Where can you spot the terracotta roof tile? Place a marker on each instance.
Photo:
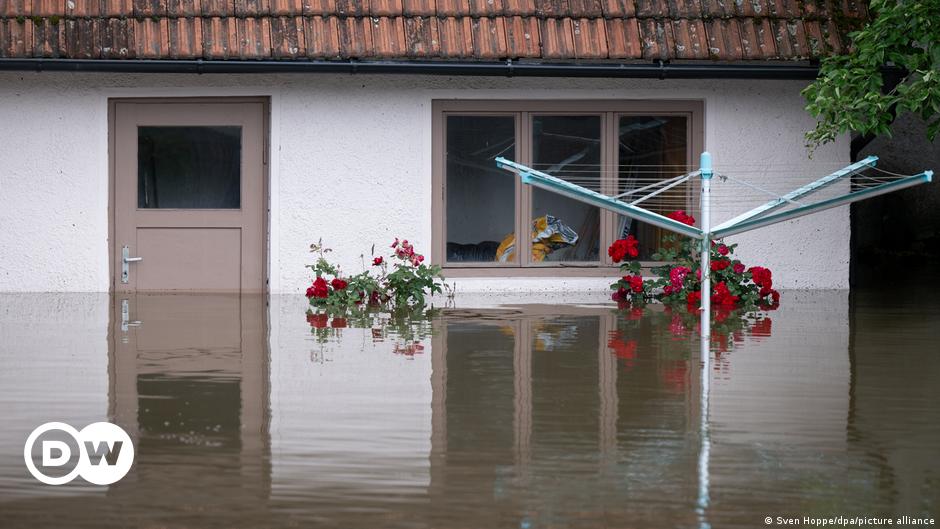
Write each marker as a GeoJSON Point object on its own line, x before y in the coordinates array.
{"type": "Point", "coordinates": [430, 29]}
{"type": "Point", "coordinates": [757, 39]}
{"type": "Point", "coordinates": [149, 8]}
{"type": "Point", "coordinates": [487, 8]}
{"type": "Point", "coordinates": [522, 37]}
{"type": "Point", "coordinates": [287, 7]}
{"type": "Point", "coordinates": [321, 36]}
{"type": "Point", "coordinates": [618, 8]}
{"type": "Point", "coordinates": [551, 8]}
{"type": "Point", "coordinates": [116, 38]}
{"type": "Point", "coordinates": [519, 7]}
{"type": "Point", "coordinates": [76, 9]}
{"type": "Point", "coordinates": [386, 8]}
{"type": "Point", "coordinates": [182, 8]}
{"type": "Point", "coordinates": [150, 38]}
{"type": "Point", "coordinates": [684, 8]}
{"type": "Point", "coordinates": [651, 8]}
{"type": "Point", "coordinates": [13, 8]}
{"type": "Point", "coordinates": [453, 8]}
{"type": "Point", "coordinates": [657, 39]}
{"type": "Point", "coordinates": [456, 37]}
{"type": "Point", "coordinates": [117, 8]}
{"type": "Point", "coordinates": [80, 41]}
{"type": "Point", "coordinates": [252, 8]}
{"type": "Point", "coordinates": [623, 39]}
{"type": "Point", "coordinates": [185, 38]}
{"type": "Point", "coordinates": [419, 8]}
{"type": "Point", "coordinates": [557, 37]}
{"type": "Point", "coordinates": [16, 38]}
{"type": "Point", "coordinates": [355, 38]}
{"type": "Point", "coordinates": [691, 40]}
{"type": "Point", "coordinates": [790, 36]}
{"type": "Point", "coordinates": [585, 8]}
{"type": "Point", "coordinates": [287, 38]}
{"type": "Point", "coordinates": [489, 38]}
{"type": "Point", "coordinates": [421, 37]}
{"type": "Point", "coordinates": [721, 8]}
{"type": "Point", "coordinates": [219, 38]}
{"type": "Point", "coordinates": [724, 39]}
{"type": "Point", "coordinates": [388, 36]}
{"type": "Point", "coordinates": [217, 8]}
{"type": "Point", "coordinates": [46, 8]}
{"type": "Point", "coordinates": [48, 39]}
{"type": "Point", "coordinates": [590, 38]}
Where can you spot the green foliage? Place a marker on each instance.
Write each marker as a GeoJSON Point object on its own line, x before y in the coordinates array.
{"type": "Point", "coordinates": [848, 94]}
{"type": "Point", "coordinates": [401, 281]}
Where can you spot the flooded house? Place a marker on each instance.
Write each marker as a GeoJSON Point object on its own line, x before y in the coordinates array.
{"type": "Point", "coordinates": [215, 141]}
{"type": "Point", "coordinates": [165, 166]}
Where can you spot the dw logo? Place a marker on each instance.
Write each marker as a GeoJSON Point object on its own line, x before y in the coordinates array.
{"type": "Point", "coordinates": [104, 453]}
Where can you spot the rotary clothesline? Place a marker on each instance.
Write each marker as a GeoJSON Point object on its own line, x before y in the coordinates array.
{"type": "Point", "coordinates": [848, 184]}
{"type": "Point", "coordinates": [843, 186]}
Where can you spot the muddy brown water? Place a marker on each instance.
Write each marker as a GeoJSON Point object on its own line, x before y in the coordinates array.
{"type": "Point", "coordinates": [245, 412]}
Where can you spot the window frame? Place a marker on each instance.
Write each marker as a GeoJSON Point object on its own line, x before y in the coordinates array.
{"type": "Point", "coordinates": [523, 111]}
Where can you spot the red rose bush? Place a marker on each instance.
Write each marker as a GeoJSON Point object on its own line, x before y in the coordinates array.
{"type": "Point", "coordinates": [733, 284]}
{"type": "Point", "coordinates": [400, 281]}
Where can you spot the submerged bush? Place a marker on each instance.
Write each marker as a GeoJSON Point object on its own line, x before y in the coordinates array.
{"type": "Point", "coordinates": [734, 286]}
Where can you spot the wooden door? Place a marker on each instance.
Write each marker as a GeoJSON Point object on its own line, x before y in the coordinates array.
{"type": "Point", "coordinates": [189, 196]}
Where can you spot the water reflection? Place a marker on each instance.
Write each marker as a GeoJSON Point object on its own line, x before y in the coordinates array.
{"type": "Point", "coordinates": [246, 412]}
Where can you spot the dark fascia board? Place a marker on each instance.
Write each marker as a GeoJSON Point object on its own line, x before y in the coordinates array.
{"type": "Point", "coordinates": [654, 70]}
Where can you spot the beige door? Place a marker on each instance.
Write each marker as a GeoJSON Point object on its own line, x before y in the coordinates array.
{"type": "Point", "coordinates": [188, 195]}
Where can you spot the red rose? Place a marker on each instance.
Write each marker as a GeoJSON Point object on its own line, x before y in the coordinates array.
{"type": "Point", "coordinates": [722, 249]}
{"type": "Point", "coordinates": [722, 296]}
{"type": "Point", "coordinates": [738, 268]}
{"type": "Point", "coordinates": [680, 216]}
{"type": "Point", "coordinates": [720, 264]}
{"type": "Point", "coordinates": [635, 282]}
{"type": "Point", "coordinates": [619, 295]}
{"type": "Point", "coordinates": [693, 299]}
{"type": "Point", "coordinates": [338, 284]}
{"type": "Point", "coordinates": [622, 248]}
{"type": "Point", "coordinates": [338, 323]}
{"type": "Point", "coordinates": [318, 289]}
{"type": "Point", "coordinates": [377, 261]}
{"type": "Point", "coordinates": [761, 276]}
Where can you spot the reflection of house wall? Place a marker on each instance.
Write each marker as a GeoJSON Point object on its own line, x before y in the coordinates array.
{"type": "Point", "coordinates": [534, 424]}
{"type": "Point", "coordinates": [351, 420]}
{"type": "Point", "coordinates": [792, 386]}
{"type": "Point", "coordinates": [40, 334]}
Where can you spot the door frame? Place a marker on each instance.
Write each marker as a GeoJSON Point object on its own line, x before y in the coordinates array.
{"type": "Point", "coordinates": [265, 173]}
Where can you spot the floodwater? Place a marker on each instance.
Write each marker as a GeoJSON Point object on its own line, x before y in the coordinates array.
{"type": "Point", "coordinates": [247, 412]}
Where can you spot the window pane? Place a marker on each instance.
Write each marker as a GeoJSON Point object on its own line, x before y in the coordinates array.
{"type": "Point", "coordinates": [652, 148]}
{"type": "Point", "coordinates": [568, 147]}
{"type": "Point", "coordinates": [481, 199]}
{"type": "Point", "coordinates": [189, 167]}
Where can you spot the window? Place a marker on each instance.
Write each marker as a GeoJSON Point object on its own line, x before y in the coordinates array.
{"type": "Point", "coordinates": [613, 147]}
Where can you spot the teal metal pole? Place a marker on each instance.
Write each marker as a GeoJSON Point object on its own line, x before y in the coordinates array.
{"type": "Point", "coordinates": [706, 174]}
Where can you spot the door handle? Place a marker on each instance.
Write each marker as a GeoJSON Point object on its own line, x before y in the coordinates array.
{"type": "Point", "coordinates": [127, 259]}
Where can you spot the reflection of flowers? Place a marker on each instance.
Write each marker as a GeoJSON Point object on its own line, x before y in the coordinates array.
{"type": "Point", "coordinates": [409, 350]}
{"type": "Point", "coordinates": [405, 329]}
{"type": "Point", "coordinates": [622, 348]}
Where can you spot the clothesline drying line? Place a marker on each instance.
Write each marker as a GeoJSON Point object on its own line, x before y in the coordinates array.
{"type": "Point", "coordinates": [763, 215]}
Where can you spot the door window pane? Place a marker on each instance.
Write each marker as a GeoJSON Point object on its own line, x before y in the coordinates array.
{"type": "Point", "coordinates": [651, 149]}
{"type": "Point", "coordinates": [567, 147]}
{"type": "Point", "coordinates": [481, 199]}
{"type": "Point", "coordinates": [189, 167]}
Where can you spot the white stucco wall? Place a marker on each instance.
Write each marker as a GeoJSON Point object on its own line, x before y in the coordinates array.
{"type": "Point", "coordinates": [351, 163]}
